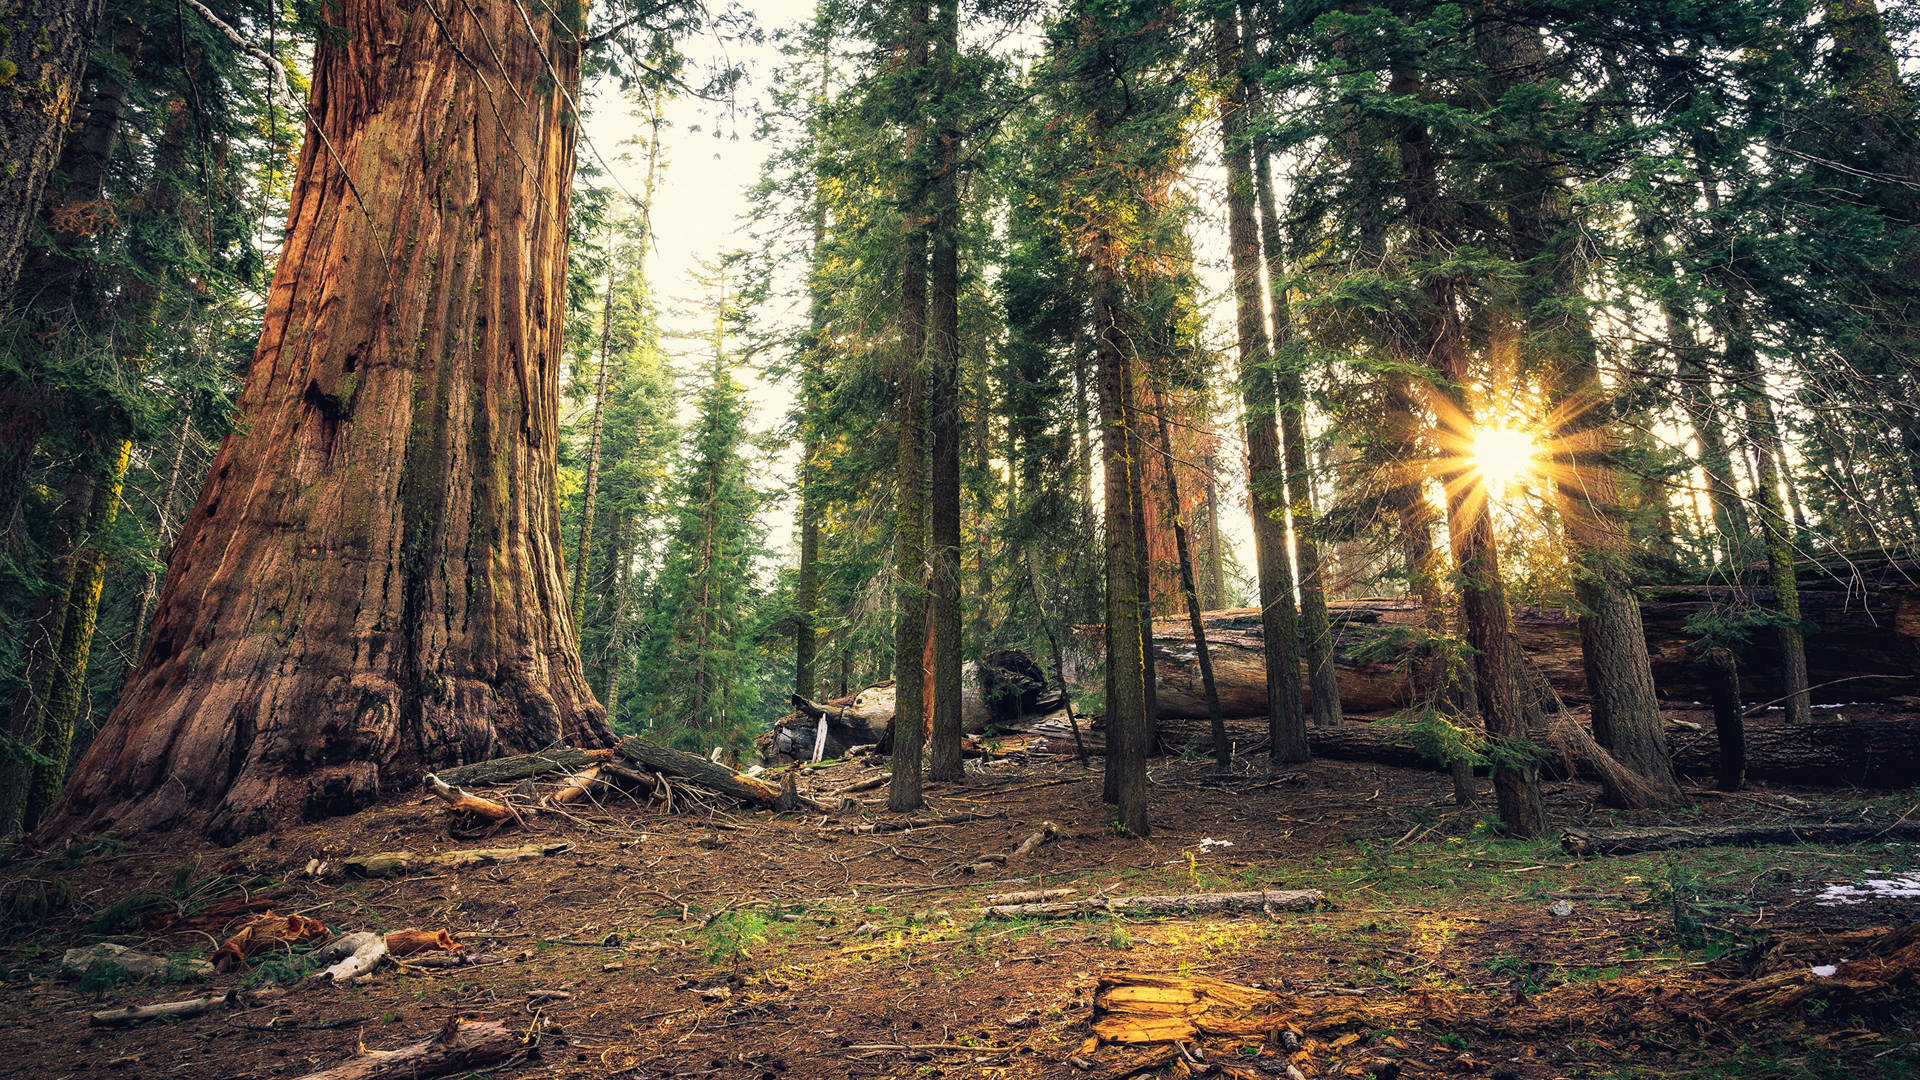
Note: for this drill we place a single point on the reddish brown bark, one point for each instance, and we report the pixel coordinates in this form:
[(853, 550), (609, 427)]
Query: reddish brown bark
[(370, 584)]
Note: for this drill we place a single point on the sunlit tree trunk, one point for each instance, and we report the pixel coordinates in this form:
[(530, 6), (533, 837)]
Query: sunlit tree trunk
[(1266, 478), (1316, 629), (370, 584)]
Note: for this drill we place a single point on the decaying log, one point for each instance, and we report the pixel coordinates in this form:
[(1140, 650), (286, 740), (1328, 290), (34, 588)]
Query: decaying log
[(460, 801), (395, 863), (1182, 904), (508, 770), (1870, 745), (356, 953), (1045, 834), (1009, 689), (909, 824), (708, 774), (1863, 645), (1670, 837), (1030, 896), (181, 1010), (578, 786), (457, 1048)]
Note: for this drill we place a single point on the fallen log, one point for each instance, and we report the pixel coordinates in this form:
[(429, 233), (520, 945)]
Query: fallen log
[(456, 1048), (395, 863), (508, 770), (1869, 745), (1031, 896), (1633, 841), (1862, 643), (181, 1010), (460, 801), (1006, 691), (707, 774), (1268, 900)]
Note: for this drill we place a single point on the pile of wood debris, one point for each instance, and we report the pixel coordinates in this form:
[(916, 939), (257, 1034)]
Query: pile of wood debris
[(1203, 1027)]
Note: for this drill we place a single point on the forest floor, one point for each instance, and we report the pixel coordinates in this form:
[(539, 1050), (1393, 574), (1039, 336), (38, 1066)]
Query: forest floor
[(755, 945)]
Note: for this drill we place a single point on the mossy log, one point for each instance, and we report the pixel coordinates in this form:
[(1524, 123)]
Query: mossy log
[(1633, 841), (508, 770), (707, 774)]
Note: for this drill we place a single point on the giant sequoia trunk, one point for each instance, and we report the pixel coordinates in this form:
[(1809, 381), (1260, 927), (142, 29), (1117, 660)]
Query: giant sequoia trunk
[(370, 585)]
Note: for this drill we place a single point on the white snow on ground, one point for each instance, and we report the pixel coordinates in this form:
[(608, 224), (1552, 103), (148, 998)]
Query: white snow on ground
[(1902, 887), (1826, 971)]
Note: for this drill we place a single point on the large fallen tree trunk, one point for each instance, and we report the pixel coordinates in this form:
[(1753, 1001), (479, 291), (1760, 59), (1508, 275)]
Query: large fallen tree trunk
[(1863, 644), (507, 770), (707, 774), (1871, 745), (1008, 689), (459, 1047), (1671, 837)]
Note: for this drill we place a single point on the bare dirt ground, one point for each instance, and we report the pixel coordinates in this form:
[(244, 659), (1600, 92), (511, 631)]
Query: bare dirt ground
[(701, 943)]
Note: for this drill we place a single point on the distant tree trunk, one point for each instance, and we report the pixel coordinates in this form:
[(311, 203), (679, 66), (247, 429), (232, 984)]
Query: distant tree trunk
[(1138, 448), (44, 51), (68, 693), (1729, 725), (1216, 722), (910, 475), (1129, 725), (806, 593), (1316, 631), (1697, 400), (1476, 551), (162, 534), (1266, 479), (589, 499), (44, 628), (943, 364), (1741, 365), (370, 585), (60, 269)]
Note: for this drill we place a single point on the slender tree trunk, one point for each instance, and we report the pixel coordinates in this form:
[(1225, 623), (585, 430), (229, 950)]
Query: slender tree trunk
[(370, 585), (583, 551), (1266, 479), (1476, 551), (910, 529), (1697, 399), (1129, 725), (943, 364), (1216, 723), (1316, 631), (41, 651), (69, 687), (806, 643), (1741, 365), (44, 51), (162, 533), (1140, 446)]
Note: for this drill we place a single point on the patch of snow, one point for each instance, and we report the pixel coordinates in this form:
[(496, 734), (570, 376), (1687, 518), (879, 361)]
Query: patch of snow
[(1208, 843), (1902, 887), (1826, 971)]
